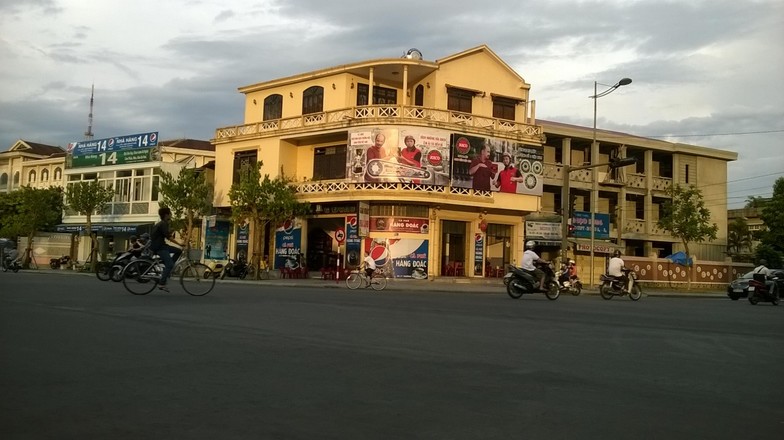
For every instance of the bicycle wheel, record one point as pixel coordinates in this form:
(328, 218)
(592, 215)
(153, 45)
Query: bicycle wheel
(140, 277)
(378, 283)
(193, 280)
(102, 270)
(353, 281)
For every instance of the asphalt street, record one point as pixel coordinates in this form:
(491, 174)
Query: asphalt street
(80, 358)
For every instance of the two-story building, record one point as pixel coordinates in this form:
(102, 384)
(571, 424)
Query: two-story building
(134, 208)
(435, 168)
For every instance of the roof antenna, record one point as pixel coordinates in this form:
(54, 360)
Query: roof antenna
(89, 133)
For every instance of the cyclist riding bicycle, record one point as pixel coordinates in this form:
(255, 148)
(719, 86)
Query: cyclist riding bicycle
(370, 266)
(169, 254)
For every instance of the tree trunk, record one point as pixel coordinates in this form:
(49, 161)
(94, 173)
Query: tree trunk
(186, 236)
(93, 243)
(28, 252)
(689, 265)
(255, 247)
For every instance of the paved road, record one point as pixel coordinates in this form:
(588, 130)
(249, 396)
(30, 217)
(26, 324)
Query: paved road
(84, 359)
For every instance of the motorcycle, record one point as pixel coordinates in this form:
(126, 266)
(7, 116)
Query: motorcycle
(760, 291)
(215, 270)
(120, 262)
(611, 286)
(56, 263)
(235, 268)
(11, 261)
(567, 284)
(519, 282)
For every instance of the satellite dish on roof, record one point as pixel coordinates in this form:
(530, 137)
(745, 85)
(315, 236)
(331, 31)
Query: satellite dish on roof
(413, 54)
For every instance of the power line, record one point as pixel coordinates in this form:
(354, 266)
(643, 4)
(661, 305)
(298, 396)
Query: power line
(736, 133)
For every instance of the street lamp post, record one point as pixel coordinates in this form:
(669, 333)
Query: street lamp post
(567, 169)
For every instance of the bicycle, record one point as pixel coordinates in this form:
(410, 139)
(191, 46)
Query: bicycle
(264, 269)
(359, 278)
(143, 275)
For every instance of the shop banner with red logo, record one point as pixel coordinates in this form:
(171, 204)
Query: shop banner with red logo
(400, 224)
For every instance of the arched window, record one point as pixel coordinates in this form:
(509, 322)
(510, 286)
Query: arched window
(45, 175)
(419, 96)
(16, 178)
(3, 180)
(31, 176)
(58, 173)
(313, 100)
(273, 107)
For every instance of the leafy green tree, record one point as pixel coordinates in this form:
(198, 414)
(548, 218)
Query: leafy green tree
(88, 198)
(686, 218)
(755, 202)
(773, 216)
(9, 207)
(189, 196)
(738, 237)
(768, 253)
(35, 210)
(262, 201)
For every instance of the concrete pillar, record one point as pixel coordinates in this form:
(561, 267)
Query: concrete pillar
(405, 85)
(370, 87)
(648, 195)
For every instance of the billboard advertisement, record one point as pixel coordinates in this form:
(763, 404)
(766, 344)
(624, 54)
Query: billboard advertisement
(407, 155)
(489, 164)
(117, 150)
(400, 224)
(399, 258)
(216, 240)
(288, 243)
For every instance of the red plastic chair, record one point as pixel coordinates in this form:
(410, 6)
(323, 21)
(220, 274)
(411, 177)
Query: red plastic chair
(459, 269)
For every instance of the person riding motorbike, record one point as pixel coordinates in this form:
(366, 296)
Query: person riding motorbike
(616, 268)
(769, 283)
(134, 247)
(529, 257)
(568, 272)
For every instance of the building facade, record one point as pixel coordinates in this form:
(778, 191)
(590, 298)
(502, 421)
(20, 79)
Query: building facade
(134, 208)
(440, 168)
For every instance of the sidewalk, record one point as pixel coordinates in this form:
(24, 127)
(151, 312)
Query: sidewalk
(440, 284)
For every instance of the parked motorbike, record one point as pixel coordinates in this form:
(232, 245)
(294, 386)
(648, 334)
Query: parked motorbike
(56, 263)
(612, 286)
(119, 264)
(759, 291)
(235, 268)
(11, 261)
(216, 270)
(519, 282)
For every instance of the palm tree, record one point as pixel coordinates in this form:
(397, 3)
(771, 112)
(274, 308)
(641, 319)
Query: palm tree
(738, 237)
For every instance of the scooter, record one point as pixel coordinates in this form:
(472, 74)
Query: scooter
(760, 291)
(235, 268)
(216, 270)
(122, 260)
(519, 282)
(11, 261)
(567, 284)
(611, 286)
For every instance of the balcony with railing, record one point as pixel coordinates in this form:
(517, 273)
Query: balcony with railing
(375, 114)
(335, 188)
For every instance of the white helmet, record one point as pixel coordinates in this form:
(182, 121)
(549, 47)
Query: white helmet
(530, 244)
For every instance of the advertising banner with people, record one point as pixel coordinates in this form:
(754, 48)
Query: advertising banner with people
(407, 154)
(288, 244)
(216, 241)
(489, 164)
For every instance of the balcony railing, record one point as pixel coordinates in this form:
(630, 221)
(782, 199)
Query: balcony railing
(380, 113)
(635, 180)
(337, 187)
(661, 183)
(555, 171)
(634, 226)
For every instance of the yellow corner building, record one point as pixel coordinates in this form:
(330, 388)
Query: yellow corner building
(440, 168)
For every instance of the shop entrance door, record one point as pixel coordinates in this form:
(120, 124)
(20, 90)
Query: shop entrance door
(453, 245)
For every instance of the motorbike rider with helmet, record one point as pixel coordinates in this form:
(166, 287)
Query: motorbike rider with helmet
(529, 257)
(616, 266)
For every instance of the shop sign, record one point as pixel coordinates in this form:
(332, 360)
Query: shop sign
(582, 228)
(400, 224)
(353, 242)
(334, 208)
(597, 249)
(364, 219)
(542, 231)
(288, 242)
(117, 150)
(479, 253)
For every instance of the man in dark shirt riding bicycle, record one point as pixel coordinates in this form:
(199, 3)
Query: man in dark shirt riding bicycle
(169, 254)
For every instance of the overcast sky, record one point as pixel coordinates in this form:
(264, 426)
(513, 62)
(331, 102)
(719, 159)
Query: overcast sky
(704, 72)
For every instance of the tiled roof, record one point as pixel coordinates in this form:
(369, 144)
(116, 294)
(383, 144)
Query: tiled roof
(192, 144)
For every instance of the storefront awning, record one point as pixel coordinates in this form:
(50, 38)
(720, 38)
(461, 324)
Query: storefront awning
(104, 228)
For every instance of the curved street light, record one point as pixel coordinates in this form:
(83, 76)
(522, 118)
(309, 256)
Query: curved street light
(620, 162)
